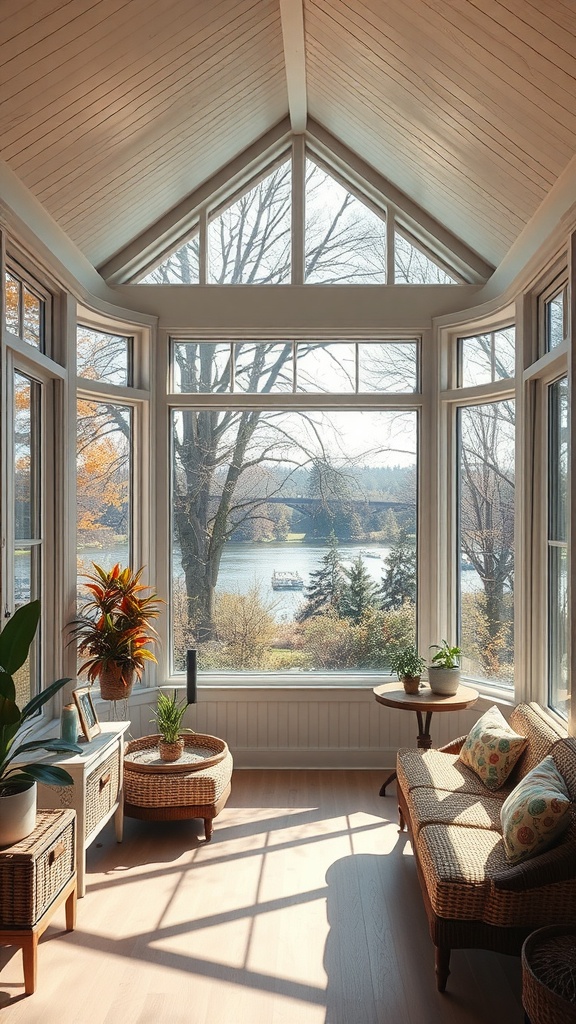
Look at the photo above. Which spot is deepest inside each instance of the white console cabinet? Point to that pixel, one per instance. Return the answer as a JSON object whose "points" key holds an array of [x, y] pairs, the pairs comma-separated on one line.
{"points": [[97, 793]]}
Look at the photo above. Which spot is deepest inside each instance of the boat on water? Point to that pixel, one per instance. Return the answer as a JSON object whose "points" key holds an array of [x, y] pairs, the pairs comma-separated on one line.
{"points": [[287, 581], [366, 553]]}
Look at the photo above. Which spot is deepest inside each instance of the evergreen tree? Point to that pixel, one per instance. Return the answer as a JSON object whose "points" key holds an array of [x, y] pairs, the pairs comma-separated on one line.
{"points": [[359, 593], [399, 581], [324, 591]]}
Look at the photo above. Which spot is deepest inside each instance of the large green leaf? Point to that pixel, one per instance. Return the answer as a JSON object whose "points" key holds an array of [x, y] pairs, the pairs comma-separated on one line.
{"points": [[7, 688], [17, 635], [60, 746], [41, 698], [9, 712], [49, 774]]}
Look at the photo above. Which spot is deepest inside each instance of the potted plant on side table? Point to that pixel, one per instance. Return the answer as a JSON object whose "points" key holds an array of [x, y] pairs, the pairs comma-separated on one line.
{"points": [[18, 781], [408, 665], [168, 718], [114, 629], [444, 672]]}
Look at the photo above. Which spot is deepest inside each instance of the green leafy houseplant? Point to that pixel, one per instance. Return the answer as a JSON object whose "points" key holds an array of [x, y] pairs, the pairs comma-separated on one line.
{"points": [[444, 671], [446, 656], [18, 816], [114, 629], [408, 665], [168, 718]]}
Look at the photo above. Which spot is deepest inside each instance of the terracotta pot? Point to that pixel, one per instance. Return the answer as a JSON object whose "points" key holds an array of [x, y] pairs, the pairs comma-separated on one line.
{"points": [[171, 751], [17, 814], [411, 684], [112, 685]]}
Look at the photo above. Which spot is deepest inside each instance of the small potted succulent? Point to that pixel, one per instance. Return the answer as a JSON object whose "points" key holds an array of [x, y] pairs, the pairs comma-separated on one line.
{"points": [[444, 672], [408, 665], [114, 629], [168, 718]]}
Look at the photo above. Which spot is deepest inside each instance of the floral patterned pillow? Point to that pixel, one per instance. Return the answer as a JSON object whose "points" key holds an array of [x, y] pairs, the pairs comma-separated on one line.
{"points": [[535, 813], [492, 748]]}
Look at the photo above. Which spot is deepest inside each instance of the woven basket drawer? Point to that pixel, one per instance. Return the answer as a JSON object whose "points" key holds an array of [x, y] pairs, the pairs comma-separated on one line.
{"points": [[35, 870], [102, 787]]}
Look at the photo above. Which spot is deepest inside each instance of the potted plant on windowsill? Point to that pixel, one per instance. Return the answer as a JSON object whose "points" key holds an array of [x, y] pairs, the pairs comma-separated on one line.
{"points": [[444, 672], [408, 665], [114, 629], [168, 718], [18, 781]]}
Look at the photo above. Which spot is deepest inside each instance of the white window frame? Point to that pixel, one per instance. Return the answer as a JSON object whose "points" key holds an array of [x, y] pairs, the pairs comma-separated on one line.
{"points": [[295, 401], [138, 397]]}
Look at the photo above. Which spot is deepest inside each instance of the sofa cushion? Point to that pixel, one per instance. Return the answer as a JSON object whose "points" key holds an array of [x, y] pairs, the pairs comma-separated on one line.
{"points": [[442, 806], [436, 770], [457, 863], [536, 812], [492, 748]]}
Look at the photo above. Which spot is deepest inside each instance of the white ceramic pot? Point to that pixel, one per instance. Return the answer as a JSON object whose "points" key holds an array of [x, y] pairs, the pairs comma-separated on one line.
{"points": [[443, 681], [17, 815]]}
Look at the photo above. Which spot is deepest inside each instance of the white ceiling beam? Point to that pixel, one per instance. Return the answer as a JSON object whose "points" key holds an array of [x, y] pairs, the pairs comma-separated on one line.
{"points": [[292, 16]]}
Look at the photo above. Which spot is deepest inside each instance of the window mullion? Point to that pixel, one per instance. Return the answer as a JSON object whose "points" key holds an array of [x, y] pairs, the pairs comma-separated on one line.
{"points": [[298, 209]]}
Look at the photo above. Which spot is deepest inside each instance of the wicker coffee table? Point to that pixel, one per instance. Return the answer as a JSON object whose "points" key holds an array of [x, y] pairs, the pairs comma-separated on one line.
{"points": [[196, 786]]}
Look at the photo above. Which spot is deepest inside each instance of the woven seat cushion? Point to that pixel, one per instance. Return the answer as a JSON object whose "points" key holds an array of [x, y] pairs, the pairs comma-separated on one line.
{"points": [[457, 863], [437, 770], [427, 806]]}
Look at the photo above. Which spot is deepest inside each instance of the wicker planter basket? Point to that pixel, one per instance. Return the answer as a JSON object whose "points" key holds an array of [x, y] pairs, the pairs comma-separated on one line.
{"points": [[549, 975], [112, 685], [171, 751]]}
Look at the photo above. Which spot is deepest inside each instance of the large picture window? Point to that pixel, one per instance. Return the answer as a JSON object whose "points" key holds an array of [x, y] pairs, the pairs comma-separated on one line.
{"points": [[293, 531]]}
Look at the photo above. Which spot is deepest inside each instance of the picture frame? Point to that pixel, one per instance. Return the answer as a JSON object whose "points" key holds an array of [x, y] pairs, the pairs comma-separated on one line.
{"points": [[86, 712]]}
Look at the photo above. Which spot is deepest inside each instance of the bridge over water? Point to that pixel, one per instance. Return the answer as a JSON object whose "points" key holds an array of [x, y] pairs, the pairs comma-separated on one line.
{"points": [[307, 504]]}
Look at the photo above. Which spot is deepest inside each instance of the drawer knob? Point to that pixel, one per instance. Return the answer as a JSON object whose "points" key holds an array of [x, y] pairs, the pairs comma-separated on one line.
{"points": [[104, 781]]}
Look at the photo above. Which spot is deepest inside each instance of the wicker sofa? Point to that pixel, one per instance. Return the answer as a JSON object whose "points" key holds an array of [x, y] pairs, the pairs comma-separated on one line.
{"points": [[473, 897]]}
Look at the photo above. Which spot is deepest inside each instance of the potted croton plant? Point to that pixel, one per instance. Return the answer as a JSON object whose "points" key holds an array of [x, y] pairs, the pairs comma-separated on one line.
{"points": [[17, 778], [114, 629]]}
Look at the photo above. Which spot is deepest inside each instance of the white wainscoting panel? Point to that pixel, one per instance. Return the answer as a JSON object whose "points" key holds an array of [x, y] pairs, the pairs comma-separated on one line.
{"points": [[300, 728]]}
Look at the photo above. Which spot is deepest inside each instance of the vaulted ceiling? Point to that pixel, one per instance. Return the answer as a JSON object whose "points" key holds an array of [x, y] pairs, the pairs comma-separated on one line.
{"points": [[112, 112]]}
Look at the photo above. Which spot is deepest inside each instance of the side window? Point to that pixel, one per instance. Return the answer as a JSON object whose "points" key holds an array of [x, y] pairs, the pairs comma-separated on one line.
{"points": [[28, 309], [557, 545], [27, 513]]}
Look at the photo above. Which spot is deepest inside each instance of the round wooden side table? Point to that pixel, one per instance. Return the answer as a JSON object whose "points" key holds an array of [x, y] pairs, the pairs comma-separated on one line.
{"points": [[423, 703], [549, 975]]}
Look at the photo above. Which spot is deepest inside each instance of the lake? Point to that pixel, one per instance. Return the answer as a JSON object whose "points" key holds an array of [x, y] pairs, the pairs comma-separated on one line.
{"points": [[247, 564]]}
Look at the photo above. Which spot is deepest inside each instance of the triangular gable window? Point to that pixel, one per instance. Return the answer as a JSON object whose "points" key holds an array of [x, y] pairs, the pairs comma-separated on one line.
{"points": [[345, 240], [182, 267], [413, 266], [250, 241], [252, 237]]}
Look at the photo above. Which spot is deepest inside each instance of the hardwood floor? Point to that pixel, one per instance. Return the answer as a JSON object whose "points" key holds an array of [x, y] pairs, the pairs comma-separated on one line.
{"points": [[304, 909]]}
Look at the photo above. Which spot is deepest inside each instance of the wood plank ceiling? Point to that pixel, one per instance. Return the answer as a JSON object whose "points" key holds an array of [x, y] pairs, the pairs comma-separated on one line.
{"points": [[113, 111]]}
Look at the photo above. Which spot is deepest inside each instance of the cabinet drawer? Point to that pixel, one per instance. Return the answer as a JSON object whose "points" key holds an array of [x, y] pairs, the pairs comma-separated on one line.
{"points": [[102, 787], [35, 870]]}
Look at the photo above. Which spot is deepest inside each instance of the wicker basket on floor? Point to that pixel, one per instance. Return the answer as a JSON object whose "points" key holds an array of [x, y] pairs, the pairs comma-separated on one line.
{"points": [[549, 975], [195, 786]]}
